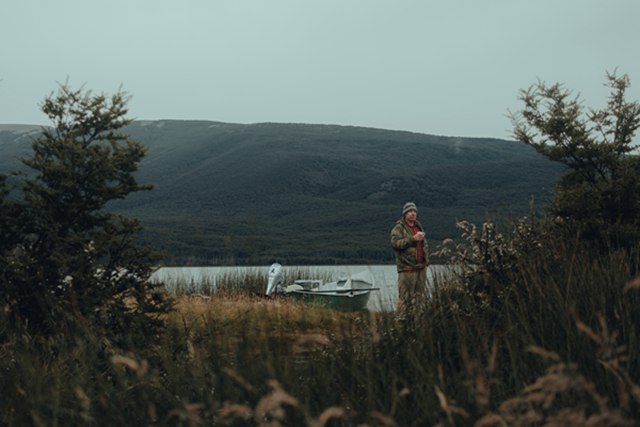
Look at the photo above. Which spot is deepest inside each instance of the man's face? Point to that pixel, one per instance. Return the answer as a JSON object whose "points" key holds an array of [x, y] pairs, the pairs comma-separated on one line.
{"points": [[411, 215]]}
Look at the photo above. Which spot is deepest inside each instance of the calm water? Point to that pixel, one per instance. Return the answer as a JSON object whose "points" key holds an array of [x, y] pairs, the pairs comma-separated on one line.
{"points": [[384, 276]]}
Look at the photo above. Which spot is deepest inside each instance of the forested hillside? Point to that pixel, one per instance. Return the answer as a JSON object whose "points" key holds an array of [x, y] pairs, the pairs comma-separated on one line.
{"points": [[310, 194]]}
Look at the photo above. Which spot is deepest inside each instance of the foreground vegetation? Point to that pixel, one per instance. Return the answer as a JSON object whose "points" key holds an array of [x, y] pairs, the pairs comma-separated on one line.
{"points": [[556, 338]]}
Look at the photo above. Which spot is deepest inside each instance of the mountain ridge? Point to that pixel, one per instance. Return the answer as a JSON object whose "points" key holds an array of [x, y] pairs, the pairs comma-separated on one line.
{"points": [[306, 193]]}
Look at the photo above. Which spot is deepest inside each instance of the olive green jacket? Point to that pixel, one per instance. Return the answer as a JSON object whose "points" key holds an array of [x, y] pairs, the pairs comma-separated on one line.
{"points": [[405, 247]]}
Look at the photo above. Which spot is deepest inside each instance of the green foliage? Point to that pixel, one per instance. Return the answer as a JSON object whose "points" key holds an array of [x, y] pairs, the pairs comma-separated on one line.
{"points": [[600, 193], [73, 265]]}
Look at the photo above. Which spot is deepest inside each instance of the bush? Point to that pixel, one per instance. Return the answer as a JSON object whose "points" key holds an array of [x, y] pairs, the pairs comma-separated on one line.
{"points": [[67, 263], [599, 195]]}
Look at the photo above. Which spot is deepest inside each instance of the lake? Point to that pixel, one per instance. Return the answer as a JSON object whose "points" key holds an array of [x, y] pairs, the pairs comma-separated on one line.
{"points": [[384, 276]]}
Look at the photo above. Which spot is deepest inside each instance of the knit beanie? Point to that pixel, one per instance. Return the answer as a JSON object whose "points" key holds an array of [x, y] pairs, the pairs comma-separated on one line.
{"points": [[408, 207]]}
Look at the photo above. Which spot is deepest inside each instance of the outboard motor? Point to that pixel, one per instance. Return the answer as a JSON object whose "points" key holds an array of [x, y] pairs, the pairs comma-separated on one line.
{"points": [[275, 279]]}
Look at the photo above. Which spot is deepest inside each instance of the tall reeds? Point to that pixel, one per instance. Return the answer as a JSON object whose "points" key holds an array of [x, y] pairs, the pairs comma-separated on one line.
{"points": [[548, 335], [249, 280]]}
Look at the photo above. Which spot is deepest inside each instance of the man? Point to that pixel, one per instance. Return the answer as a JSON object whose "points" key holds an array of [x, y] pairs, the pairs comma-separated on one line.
{"points": [[412, 257]]}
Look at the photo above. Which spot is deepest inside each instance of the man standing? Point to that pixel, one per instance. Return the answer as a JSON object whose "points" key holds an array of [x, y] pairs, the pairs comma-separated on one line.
{"points": [[412, 257]]}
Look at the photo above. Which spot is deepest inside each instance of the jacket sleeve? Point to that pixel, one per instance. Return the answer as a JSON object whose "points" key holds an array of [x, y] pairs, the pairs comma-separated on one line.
{"points": [[425, 248], [399, 239]]}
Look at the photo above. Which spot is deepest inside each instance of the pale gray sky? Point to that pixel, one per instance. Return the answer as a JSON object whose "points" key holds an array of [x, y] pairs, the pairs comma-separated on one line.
{"points": [[447, 67]]}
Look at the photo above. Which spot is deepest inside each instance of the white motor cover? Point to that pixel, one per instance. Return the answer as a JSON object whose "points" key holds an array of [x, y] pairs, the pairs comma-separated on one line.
{"points": [[275, 278]]}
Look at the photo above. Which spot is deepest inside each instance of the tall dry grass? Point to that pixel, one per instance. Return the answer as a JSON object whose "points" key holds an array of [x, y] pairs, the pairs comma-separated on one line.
{"points": [[546, 336]]}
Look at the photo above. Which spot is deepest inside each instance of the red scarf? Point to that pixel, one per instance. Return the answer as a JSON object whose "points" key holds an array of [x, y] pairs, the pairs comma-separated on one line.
{"points": [[419, 246]]}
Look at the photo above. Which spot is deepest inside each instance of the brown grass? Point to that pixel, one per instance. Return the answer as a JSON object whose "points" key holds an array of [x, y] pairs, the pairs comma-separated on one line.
{"points": [[237, 320]]}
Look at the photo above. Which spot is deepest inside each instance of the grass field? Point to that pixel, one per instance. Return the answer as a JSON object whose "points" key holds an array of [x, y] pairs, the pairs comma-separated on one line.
{"points": [[550, 339]]}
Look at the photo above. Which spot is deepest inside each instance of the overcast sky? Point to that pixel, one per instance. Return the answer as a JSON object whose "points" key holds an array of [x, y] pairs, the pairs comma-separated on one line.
{"points": [[446, 67]]}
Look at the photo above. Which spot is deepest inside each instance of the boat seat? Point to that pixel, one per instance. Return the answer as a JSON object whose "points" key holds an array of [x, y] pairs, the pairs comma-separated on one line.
{"points": [[292, 288], [308, 284], [344, 283]]}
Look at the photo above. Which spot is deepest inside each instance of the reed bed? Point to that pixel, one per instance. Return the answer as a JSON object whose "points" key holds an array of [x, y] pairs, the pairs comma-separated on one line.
{"points": [[550, 339], [246, 281]]}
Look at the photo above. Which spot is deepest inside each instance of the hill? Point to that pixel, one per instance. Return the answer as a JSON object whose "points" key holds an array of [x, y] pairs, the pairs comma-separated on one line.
{"points": [[310, 194]]}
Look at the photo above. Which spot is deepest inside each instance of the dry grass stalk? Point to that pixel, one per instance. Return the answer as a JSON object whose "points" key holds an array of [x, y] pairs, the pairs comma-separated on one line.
{"points": [[332, 412], [139, 368], [544, 353], [239, 379], [449, 410], [272, 406], [231, 412], [481, 383], [85, 404], [610, 353], [632, 284], [189, 413]]}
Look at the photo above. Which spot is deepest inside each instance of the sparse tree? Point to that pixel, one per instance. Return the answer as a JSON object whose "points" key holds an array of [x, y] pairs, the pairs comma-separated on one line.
{"points": [[75, 263], [599, 195]]}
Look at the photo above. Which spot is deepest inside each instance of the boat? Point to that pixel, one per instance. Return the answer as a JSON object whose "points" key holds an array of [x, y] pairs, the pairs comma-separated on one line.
{"points": [[348, 293]]}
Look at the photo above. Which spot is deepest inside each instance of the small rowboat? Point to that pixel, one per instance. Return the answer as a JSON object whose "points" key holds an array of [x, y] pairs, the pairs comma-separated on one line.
{"points": [[347, 293]]}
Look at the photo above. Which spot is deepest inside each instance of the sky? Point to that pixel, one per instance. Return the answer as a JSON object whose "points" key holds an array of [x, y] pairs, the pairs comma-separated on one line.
{"points": [[447, 67]]}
